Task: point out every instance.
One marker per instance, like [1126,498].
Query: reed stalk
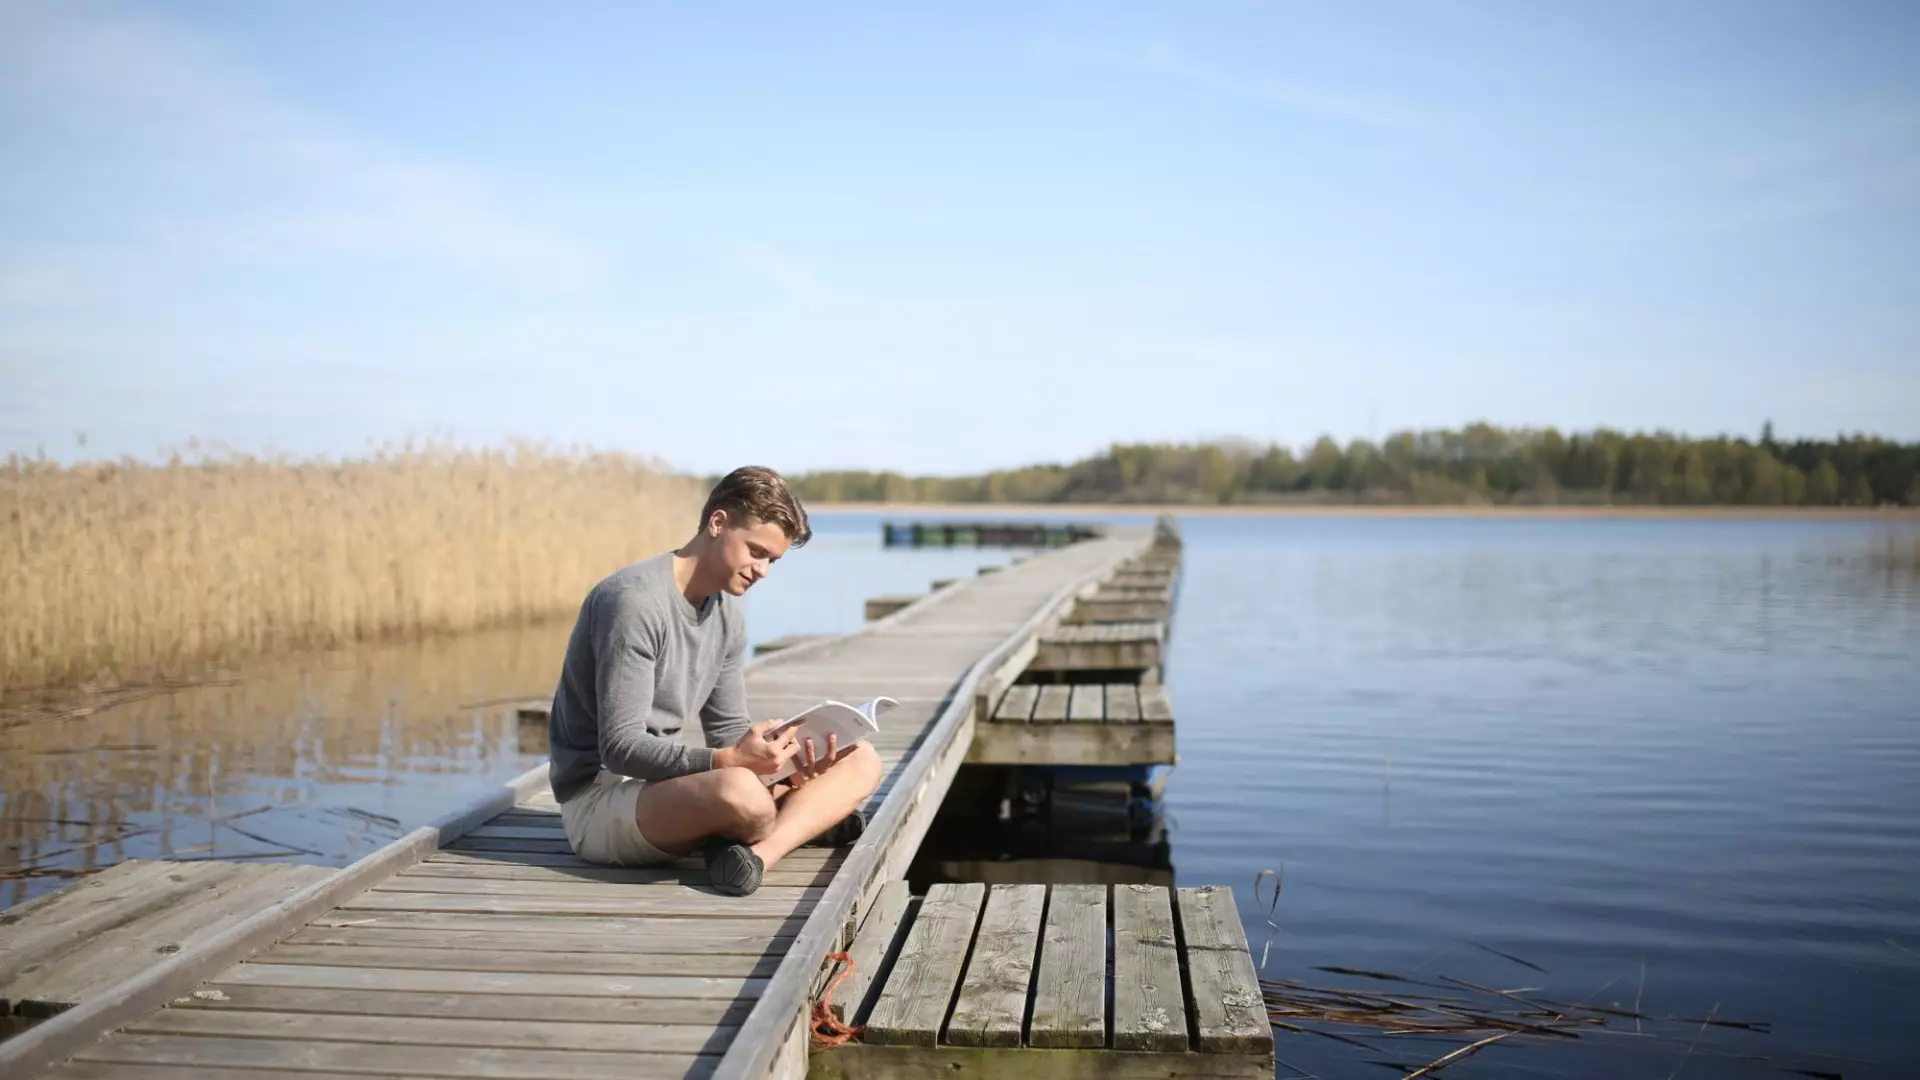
[120,573]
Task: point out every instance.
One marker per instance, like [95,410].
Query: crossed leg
[679,815]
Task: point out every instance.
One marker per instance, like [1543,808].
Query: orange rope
[827,1030]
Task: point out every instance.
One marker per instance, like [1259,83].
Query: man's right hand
[756,752]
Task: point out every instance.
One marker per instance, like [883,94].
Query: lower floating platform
[1057,981]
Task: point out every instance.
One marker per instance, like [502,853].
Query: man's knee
[746,803]
[865,762]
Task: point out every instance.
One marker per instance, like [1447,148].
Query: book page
[850,724]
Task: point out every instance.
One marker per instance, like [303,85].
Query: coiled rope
[828,1030]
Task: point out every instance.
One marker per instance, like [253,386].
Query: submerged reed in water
[1418,1027]
[125,571]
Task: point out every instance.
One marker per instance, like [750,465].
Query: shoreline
[1891,515]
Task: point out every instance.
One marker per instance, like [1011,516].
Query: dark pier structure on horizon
[1017,534]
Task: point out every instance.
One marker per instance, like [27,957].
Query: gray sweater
[641,662]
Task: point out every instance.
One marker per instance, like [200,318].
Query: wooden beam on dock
[1130,646]
[879,607]
[1087,724]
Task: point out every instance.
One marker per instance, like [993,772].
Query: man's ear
[716,522]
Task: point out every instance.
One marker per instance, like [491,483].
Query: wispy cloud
[299,184]
[1858,158]
[1163,61]
[40,285]
[793,278]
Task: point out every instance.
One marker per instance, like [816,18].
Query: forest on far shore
[1480,464]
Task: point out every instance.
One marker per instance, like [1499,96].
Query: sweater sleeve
[625,652]
[724,717]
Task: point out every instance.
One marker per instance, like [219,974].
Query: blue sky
[948,238]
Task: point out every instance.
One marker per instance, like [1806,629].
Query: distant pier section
[1017,534]
[1092,692]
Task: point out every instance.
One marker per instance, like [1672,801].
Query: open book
[851,723]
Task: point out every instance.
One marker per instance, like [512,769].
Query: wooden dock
[1089,716]
[1124,604]
[66,946]
[1101,647]
[1013,981]
[1080,724]
[480,946]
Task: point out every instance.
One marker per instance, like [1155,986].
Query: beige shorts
[600,826]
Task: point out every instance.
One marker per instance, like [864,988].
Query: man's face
[748,550]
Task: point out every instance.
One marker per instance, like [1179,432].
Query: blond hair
[757,493]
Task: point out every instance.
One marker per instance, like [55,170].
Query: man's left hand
[810,766]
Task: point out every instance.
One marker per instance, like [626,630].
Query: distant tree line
[1480,464]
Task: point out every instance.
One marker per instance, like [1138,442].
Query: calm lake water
[1606,747]
[1672,762]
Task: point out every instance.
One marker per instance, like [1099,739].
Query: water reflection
[1008,826]
[319,758]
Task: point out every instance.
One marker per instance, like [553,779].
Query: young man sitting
[660,644]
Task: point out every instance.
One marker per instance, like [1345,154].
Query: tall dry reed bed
[127,572]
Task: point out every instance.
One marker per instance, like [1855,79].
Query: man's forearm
[646,756]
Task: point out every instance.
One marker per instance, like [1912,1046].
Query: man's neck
[686,572]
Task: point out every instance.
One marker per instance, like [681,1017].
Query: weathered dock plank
[1148,1012]
[440,1031]
[1070,988]
[637,902]
[914,1004]
[318,976]
[321,1003]
[1154,706]
[530,958]
[1053,705]
[992,1007]
[1017,706]
[1088,704]
[664,938]
[582,889]
[870,947]
[783,874]
[678,870]
[1229,1013]
[425,1059]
